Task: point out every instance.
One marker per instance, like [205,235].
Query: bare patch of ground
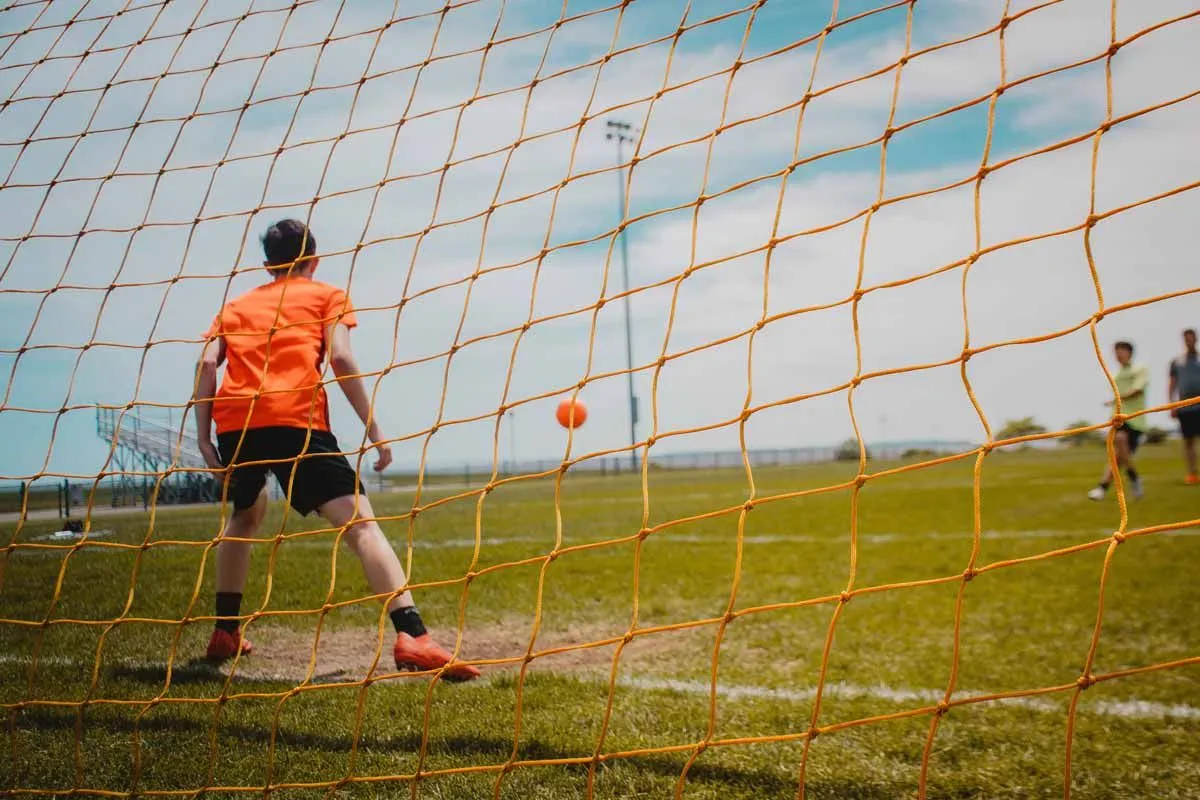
[352,654]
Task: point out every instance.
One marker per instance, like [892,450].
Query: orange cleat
[225,645]
[1192,480]
[421,653]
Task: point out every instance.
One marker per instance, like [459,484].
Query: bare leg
[1121,446]
[365,539]
[233,562]
[1189,454]
[233,558]
[414,648]
[1124,456]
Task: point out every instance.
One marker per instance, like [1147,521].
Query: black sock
[1132,473]
[1104,485]
[229,604]
[408,620]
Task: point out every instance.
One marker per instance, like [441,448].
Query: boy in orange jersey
[271,413]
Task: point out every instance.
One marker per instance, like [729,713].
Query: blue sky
[119,292]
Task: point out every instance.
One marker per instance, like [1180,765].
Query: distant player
[1184,384]
[1132,381]
[271,413]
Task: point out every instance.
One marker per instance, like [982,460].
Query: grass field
[101,710]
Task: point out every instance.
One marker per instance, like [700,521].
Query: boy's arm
[1138,387]
[345,369]
[211,357]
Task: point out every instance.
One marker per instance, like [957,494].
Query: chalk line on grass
[324,542]
[1133,708]
[1129,709]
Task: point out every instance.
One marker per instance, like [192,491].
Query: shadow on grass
[201,670]
[758,783]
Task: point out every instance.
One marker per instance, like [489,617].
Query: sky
[452,161]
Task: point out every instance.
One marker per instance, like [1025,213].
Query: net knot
[1113,48]
[1119,537]
[844,597]
[1085,681]
[942,708]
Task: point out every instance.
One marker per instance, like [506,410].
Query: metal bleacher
[152,462]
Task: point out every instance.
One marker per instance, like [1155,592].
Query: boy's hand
[385,456]
[211,458]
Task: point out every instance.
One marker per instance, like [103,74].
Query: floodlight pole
[622,132]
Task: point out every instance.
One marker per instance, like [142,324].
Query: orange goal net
[739,232]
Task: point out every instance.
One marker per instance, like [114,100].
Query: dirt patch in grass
[349,654]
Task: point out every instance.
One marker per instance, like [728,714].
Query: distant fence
[711,459]
[73,497]
[62,496]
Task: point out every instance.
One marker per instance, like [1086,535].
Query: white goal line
[325,540]
[1127,709]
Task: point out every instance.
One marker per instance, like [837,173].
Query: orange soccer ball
[571,413]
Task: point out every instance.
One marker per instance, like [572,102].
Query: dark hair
[286,242]
[1192,331]
[1124,344]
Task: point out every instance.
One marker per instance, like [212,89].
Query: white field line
[1128,709]
[324,542]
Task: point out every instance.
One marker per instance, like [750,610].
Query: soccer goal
[746,365]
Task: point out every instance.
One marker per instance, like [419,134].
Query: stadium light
[622,132]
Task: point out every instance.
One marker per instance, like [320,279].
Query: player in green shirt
[1132,380]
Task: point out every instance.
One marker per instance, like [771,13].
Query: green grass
[101,712]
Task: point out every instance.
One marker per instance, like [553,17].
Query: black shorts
[1133,436]
[1189,423]
[311,476]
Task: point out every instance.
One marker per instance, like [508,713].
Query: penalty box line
[1134,708]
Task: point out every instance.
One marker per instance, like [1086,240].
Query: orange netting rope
[478,495]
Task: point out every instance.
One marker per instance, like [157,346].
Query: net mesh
[206,80]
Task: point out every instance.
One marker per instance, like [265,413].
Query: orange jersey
[275,352]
